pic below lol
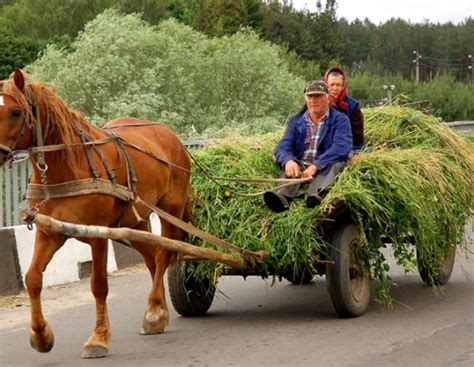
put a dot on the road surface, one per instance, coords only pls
(253, 324)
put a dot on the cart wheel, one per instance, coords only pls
(438, 275)
(299, 277)
(189, 296)
(348, 284)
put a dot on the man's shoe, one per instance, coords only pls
(312, 201)
(276, 202)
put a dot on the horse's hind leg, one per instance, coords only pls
(98, 343)
(46, 245)
(156, 315)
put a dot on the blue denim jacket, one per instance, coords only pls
(334, 144)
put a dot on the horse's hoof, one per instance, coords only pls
(154, 323)
(147, 330)
(41, 343)
(94, 351)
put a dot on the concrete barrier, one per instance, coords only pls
(71, 263)
(462, 126)
(10, 273)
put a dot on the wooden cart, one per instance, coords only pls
(348, 278)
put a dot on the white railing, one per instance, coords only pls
(13, 184)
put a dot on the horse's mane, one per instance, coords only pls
(61, 128)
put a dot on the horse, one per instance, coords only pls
(145, 157)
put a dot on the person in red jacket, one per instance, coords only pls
(336, 80)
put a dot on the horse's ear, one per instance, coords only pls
(18, 78)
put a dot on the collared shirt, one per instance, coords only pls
(313, 132)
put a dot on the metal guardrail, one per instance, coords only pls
(462, 126)
(13, 184)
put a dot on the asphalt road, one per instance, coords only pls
(253, 324)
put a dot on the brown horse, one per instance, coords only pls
(148, 158)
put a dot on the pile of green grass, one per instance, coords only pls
(414, 179)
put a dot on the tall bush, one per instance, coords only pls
(121, 65)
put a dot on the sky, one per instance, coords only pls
(415, 11)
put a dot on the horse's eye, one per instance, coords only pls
(15, 113)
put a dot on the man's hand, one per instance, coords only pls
(310, 171)
(292, 169)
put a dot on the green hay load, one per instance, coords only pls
(413, 180)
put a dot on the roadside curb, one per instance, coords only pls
(70, 264)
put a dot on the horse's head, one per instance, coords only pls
(15, 115)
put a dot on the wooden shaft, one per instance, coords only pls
(189, 228)
(80, 230)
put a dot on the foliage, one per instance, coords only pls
(122, 66)
(374, 56)
(44, 19)
(413, 183)
(16, 52)
(315, 36)
(443, 96)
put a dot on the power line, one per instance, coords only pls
(445, 59)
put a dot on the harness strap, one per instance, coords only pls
(80, 187)
(17, 140)
(151, 154)
(110, 174)
(85, 139)
(57, 147)
(46, 130)
(132, 175)
(150, 123)
(28, 117)
(39, 137)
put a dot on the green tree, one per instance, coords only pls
(16, 52)
(44, 19)
(120, 66)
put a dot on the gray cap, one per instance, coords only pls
(316, 87)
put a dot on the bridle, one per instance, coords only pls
(35, 128)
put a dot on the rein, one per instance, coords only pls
(283, 182)
(216, 179)
(286, 181)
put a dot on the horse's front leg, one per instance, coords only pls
(98, 343)
(46, 245)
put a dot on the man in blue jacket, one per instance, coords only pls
(316, 143)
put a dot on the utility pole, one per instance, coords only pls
(470, 66)
(417, 65)
(389, 88)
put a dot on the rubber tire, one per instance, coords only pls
(299, 279)
(443, 272)
(350, 297)
(189, 296)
